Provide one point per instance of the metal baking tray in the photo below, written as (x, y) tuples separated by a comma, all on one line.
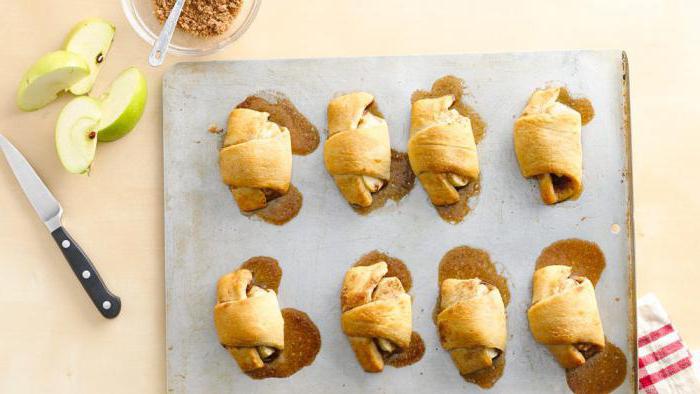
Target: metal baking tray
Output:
[(206, 236)]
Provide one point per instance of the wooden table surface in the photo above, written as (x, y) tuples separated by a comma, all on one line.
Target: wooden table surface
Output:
[(52, 339)]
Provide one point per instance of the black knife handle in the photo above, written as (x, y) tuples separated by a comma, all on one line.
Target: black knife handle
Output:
[(107, 303)]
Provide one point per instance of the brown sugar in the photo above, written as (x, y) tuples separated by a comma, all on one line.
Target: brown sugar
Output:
[(202, 18)]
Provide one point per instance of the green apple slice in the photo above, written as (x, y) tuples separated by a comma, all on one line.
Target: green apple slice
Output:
[(76, 135), (91, 39), (50, 75), (122, 105)]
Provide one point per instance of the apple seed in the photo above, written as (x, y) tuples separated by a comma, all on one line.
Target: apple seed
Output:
[(92, 135)]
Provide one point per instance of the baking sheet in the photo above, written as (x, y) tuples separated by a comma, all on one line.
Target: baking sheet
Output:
[(206, 236)]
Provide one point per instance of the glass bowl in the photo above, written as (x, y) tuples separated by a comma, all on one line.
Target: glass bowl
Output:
[(141, 16)]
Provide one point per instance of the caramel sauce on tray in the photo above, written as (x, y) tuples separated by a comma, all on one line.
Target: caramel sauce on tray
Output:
[(581, 105), (302, 339), (282, 209), (602, 373), (400, 183), (304, 135), (397, 268), (584, 257), (266, 271), (450, 84), (464, 262), (456, 212), (302, 342)]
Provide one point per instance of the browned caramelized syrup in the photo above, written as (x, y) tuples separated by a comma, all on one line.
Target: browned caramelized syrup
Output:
[(602, 373), (400, 183), (450, 84), (584, 257), (266, 271), (455, 86), (456, 212), (464, 262), (304, 135), (281, 209), (487, 377), (606, 370), (581, 105), (408, 356), (302, 342), (396, 268)]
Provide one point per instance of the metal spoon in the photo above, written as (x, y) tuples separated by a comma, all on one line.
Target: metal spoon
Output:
[(160, 47)]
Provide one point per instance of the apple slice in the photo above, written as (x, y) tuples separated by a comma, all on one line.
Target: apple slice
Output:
[(50, 75), (76, 135), (122, 105), (91, 39)]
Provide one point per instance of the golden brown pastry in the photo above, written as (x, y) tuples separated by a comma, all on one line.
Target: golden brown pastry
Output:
[(547, 140), (376, 314), (441, 149), (357, 153), (256, 158), (564, 315), (472, 323), (248, 320)]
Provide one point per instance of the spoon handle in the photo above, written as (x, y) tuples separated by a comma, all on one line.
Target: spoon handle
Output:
[(160, 47)]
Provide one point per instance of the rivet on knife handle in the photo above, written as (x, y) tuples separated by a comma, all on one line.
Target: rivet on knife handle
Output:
[(106, 303)]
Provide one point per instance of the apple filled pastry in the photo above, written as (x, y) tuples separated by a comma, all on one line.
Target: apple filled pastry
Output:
[(256, 161), (376, 314), (248, 320), (442, 149), (264, 340), (547, 139), (471, 323), (357, 153), (564, 315), (470, 314)]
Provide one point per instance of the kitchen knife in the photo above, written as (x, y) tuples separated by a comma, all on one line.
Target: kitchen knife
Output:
[(50, 212)]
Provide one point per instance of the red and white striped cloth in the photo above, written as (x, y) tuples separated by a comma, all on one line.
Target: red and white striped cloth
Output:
[(665, 364)]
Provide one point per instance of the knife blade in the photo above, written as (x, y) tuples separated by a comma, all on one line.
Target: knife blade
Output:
[(50, 212)]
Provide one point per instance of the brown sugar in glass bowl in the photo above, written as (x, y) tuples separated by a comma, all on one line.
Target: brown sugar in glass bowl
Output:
[(205, 26)]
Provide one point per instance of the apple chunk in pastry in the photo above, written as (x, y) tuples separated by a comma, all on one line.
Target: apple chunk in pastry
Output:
[(442, 149), (564, 315), (376, 314), (357, 153), (547, 138), (256, 159), (471, 323), (248, 320)]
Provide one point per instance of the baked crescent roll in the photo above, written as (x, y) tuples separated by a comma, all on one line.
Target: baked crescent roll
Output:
[(376, 314), (472, 323), (256, 158), (357, 153), (548, 146), (248, 320), (564, 315), (441, 149)]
